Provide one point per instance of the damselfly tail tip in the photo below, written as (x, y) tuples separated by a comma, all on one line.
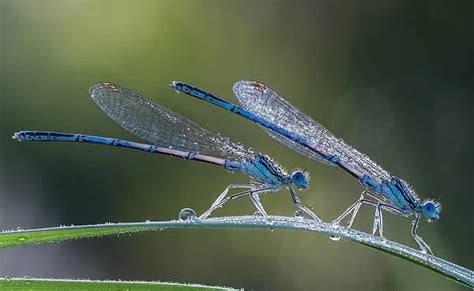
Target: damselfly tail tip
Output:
[(174, 85), (16, 136)]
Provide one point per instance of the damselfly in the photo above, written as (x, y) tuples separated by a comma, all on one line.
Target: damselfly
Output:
[(298, 131), (172, 134)]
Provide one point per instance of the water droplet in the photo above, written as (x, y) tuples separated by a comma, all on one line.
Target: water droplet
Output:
[(334, 238), (21, 238), (147, 221), (299, 214), (7, 278), (18, 228), (186, 214)]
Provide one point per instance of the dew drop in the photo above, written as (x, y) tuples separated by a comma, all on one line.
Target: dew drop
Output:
[(186, 214), (21, 238), (299, 214), (147, 221), (334, 238)]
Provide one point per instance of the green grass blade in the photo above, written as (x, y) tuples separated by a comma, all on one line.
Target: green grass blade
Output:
[(55, 284), (450, 270)]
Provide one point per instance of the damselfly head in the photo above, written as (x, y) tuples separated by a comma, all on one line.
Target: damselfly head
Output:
[(431, 209), (300, 179)]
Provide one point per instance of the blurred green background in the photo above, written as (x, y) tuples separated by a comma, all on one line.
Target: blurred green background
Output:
[(393, 78)]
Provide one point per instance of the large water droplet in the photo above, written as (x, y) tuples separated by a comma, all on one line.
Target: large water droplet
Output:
[(299, 214), (186, 214), (334, 238)]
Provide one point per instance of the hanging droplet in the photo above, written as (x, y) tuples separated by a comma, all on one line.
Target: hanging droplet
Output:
[(334, 238), (299, 214), (186, 214)]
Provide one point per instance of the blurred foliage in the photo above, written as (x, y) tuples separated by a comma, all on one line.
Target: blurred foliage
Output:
[(393, 78)]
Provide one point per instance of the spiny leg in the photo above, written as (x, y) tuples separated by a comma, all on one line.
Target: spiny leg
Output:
[(258, 204), (354, 208), (355, 211), (380, 207), (222, 199), (297, 201), (231, 186), (425, 248), (228, 198), (378, 220)]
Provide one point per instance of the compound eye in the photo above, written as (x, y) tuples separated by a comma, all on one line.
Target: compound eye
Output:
[(299, 179), (429, 207), (298, 176)]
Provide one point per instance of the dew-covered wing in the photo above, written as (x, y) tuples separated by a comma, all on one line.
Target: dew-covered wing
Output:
[(159, 125), (266, 103)]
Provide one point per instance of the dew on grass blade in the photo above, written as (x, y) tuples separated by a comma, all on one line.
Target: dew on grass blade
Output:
[(186, 214), (299, 214)]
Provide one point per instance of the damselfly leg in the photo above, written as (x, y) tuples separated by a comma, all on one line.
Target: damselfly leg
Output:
[(354, 209), (297, 201), (258, 204), (252, 192), (378, 220), (222, 199), (419, 240)]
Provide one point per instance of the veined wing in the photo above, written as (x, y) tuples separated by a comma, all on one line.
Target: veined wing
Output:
[(159, 125), (265, 102)]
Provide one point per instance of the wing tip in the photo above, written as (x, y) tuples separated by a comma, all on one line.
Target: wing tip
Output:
[(103, 86)]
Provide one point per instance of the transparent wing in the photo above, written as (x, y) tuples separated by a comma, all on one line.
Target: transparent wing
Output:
[(265, 102), (159, 125)]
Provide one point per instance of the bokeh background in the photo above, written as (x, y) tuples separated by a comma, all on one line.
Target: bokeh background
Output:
[(393, 78)]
